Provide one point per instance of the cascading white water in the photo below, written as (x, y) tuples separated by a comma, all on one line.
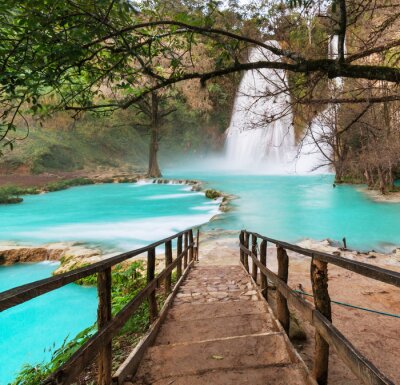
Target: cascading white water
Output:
[(314, 147), (261, 132)]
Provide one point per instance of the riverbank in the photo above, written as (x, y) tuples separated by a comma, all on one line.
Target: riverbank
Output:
[(375, 195)]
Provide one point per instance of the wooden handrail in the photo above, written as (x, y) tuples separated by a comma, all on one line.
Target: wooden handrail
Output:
[(29, 291), (378, 273), (357, 362), (99, 344)]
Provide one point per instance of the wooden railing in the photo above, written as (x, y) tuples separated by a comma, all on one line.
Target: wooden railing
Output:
[(99, 344), (319, 315)]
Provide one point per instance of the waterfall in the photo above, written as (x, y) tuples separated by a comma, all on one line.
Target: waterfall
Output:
[(310, 156), (261, 132)]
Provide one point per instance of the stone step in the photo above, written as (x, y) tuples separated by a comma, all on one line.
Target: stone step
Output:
[(273, 375), (189, 312), (173, 332), (198, 358)]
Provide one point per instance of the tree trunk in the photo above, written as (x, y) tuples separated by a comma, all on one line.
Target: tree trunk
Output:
[(154, 169)]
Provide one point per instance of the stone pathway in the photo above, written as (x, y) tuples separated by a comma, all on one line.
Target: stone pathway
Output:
[(220, 332)]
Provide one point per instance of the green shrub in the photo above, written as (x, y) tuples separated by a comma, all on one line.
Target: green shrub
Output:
[(213, 194)]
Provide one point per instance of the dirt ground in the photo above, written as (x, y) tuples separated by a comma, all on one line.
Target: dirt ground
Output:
[(376, 336)]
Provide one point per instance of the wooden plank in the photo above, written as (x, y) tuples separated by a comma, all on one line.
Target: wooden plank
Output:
[(384, 275), (132, 362), (197, 244), (191, 248), (254, 252), (281, 302), (241, 252), (246, 253), (168, 261), (294, 299), (151, 266), (359, 365), (185, 258), (263, 278), (23, 293), (103, 317), (179, 252), (322, 301)]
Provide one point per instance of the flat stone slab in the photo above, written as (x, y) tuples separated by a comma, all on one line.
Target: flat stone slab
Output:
[(189, 312), (212, 328), (281, 375), (196, 358)]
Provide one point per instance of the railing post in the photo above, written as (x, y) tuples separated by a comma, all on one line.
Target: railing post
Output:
[(281, 302), (191, 248), (185, 246), (241, 242), (254, 251), (263, 278), (322, 301), (103, 317), (197, 244), (246, 245), (179, 252), (151, 267), (168, 261)]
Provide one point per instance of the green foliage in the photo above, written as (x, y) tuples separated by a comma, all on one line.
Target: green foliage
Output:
[(64, 184), (10, 194), (35, 375), (212, 194)]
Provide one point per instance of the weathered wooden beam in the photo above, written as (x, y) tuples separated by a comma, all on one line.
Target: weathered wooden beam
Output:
[(281, 302), (168, 261), (263, 277), (103, 317), (23, 293), (197, 244), (254, 251), (358, 364), (151, 266), (384, 275), (185, 258), (191, 248), (322, 302), (246, 245), (179, 252), (241, 252)]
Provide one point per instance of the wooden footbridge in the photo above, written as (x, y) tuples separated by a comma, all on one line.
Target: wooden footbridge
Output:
[(216, 326)]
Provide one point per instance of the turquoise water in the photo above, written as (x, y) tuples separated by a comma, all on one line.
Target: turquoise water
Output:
[(123, 216), (29, 330), (292, 208)]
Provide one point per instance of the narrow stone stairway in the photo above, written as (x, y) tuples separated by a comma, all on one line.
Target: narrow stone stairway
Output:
[(219, 331)]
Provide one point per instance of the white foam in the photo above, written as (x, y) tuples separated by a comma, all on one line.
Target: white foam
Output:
[(125, 234), (171, 196)]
